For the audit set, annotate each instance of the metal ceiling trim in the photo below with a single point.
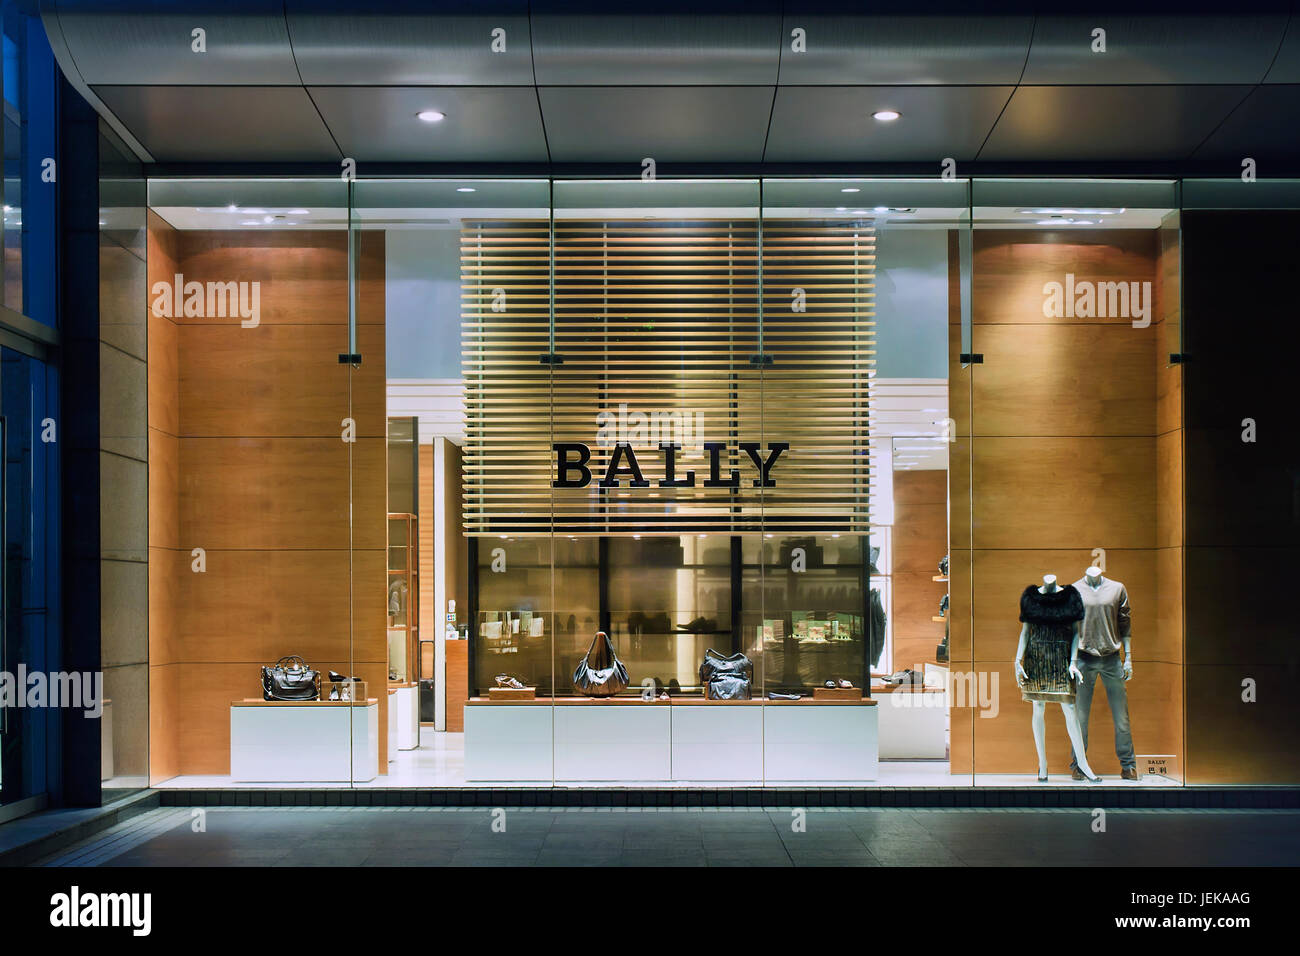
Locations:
(68, 64)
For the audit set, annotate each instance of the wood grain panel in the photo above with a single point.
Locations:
(261, 605)
(1169, 489)
(266, 493)
(166, 567)
(1169, 606)
(457, 670)
(164, 490)
(1046, 380)
(1005, 744)
(1012, 266)
(960, 641)
(164, 722)
(303, 274)
(1001, 576)
(920, 541)
(1047, 493)
(279, 381)
(163, 374)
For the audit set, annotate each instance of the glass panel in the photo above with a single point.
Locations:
(267, 486)
(1076, 480)
(859, 293)
(465, 321)
(28, 503)
(655, 319)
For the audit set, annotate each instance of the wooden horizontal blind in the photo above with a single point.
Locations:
(657, 328)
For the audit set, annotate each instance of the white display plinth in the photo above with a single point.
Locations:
(913, 724)
(717, 740)
(830, 743)
(627, 740)
(611, 741)
(304, 742)
(508, 741)
(404, 712)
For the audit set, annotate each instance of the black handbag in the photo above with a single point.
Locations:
(726, 678)
(296, 681)
(600, 673)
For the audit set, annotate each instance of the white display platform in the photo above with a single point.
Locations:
(630, 740)
(913, 724)
(307, 742)
(404, 713)
(717, 741)
(826, 743)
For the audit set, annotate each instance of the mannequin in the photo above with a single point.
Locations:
(1106, 651)
(1047, 620)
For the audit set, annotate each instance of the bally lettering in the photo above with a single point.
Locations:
(572, 459)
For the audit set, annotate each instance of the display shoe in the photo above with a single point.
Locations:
(831, 684)
(1129, 773)
(776, 695)
(845, 683)
(1077, 774)
(505, 680)
(1042, 779)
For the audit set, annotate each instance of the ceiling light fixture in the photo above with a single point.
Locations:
(882, 209)
(430, 116)
(850, 189)
(465, 189)
(886, 116)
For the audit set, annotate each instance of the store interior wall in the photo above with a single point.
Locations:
(1064, 458)
(250, 464)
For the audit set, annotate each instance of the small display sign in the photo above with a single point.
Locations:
(1158, 765)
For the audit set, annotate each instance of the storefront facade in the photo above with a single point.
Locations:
(712, 417)
(764, 399)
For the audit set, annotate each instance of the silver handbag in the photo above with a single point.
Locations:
(600, 673)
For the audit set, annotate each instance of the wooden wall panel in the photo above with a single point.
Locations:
(457, 685)
(1072, 450)
(268, 493)
(255, 471)
(920, 541)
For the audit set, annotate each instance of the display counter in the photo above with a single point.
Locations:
(913, 722)
(319, 741)
(627, 739)
(404, 713)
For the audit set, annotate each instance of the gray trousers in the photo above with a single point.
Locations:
(1111, 672)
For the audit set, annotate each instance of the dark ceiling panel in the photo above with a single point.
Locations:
(411, 42)
(1174, 49)
(669, 43)
(137, 41)
(834, 123)
(222, 123)
(483, 124)
(858, 50)
(1105, 123)
(669, 124)
(1286, 68)
(1263, 128)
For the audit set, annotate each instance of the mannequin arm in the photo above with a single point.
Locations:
(1021, 676)
(1128, 657)
(1074, 655)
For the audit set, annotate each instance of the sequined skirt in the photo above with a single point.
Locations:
(1047, 664)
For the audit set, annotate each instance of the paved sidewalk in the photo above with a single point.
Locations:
(409, 836)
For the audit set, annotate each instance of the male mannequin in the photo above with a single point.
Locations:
(1106, 651)
(1064, 695)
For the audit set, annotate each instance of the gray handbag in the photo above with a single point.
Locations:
(600, 673)
(726, 678)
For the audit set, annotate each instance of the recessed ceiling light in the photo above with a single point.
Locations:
(850, 189)
(882, 209)
(465, 189)
(299, 212)
(841, 208)
(231, 208)
(430, 116)
(886, 116)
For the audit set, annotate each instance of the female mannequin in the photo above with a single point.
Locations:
(1045, 670)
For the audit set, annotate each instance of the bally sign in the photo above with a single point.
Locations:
(572, 472)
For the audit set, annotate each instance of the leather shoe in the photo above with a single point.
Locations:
(1129, 773)
(1077, 774)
